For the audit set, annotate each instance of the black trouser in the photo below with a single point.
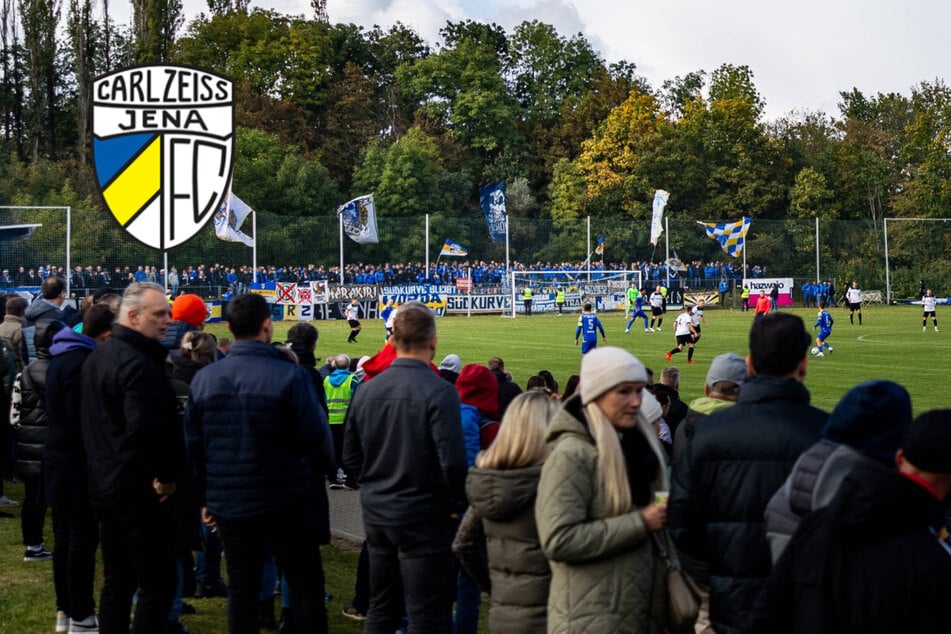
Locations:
(361, 587)
(34, 510)
(412, 563)
(289, 534)
(137, 552)
(76, 535)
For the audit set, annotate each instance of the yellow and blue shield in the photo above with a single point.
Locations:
(163, 148)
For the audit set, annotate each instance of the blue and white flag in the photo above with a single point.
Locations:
(657, 226)
(730, 235)
(451, 248)
(229, 218)
(492, 199)
(359, 219)
(599, 250)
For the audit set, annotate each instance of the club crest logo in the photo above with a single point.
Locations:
(163, 149)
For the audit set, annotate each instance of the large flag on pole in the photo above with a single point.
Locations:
(492, 199)
(451, 248)
(657, 225)
(730, 235)
(229, 218)
(359, 219)
(599, 250)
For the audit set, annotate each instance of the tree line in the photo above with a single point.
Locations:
(326, 112)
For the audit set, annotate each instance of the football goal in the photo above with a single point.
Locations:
(606, 290)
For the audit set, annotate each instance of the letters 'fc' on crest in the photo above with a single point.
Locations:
(163, 147)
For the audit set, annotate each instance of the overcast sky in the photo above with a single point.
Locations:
(801, 53)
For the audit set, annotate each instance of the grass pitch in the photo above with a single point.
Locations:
(889, 345)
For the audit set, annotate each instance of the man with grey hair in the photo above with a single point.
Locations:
(135, 449)
(339, 387)
(403, 440)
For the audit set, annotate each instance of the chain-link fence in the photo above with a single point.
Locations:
(801, 249)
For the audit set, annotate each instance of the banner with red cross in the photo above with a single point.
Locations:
(286, 293)
(305, 295)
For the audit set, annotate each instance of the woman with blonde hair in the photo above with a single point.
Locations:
(595, 509)
(198, 349)
(501, 489)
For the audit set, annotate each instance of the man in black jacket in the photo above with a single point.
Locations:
(734, 463)
(877, 559)
(403, 441)
(135, 449)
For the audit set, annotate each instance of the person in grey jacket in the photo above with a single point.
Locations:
(403, 443)
(867, 426)
(501, 490)
(606, 576)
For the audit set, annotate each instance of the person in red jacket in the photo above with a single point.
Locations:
(763, 305)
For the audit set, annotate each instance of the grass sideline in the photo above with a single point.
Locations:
(890, 345)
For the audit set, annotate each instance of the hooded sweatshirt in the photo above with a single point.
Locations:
(479, 401)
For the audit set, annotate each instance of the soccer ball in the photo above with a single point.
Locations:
(814, 350)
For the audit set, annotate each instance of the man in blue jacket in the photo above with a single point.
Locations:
(261, 447)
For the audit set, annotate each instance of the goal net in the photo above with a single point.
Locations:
(606, 290)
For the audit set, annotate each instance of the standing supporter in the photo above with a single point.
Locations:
(527, 300)
(876, 560)
(450, 367)
(11, 330)
(736, 460)
(593, 526)
(135, 457)
(404, 444)
(501, 489)
(763, 305)
(261, 454)
(588, 328)
(479, 400)
(188, 313)
(49, 304)
(339, 387)
(866, 427)
(8, 373)
(28, 417)
(745, 297)
(508, 389)
(773, 297)
(928, 302)
(670, 385)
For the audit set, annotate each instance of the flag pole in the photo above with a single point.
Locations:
(340, 221)
(254, 249)
(508, 264)
(589, 249)
(427, 248)
(667, 250)
(165, 265)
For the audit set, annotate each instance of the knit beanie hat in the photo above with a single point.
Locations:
(477, 386)
(872, 417)
(603, 368)
(927, 444)
(190, 309)
(451, 362)
(650, 407)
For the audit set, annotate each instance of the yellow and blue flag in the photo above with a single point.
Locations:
(451, 248)
(730, 235)
(599, 250)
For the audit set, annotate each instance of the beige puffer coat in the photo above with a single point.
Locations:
(606, 575)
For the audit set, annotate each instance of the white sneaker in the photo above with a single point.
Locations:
(819, 354)
(88, 625)
(924, 328)
(5, 501)
(648, 330)
(62, 621)
(936, 329)
(627, 330)
(830, 349)
(658, 328)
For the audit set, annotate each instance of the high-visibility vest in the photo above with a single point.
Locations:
(338, 400)
(527, 293)
(560, 297)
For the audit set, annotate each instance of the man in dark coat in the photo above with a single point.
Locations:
(135, 455)
(877, 559)
(403, 441)
(508, 389)
(734, 463)
(260, 445)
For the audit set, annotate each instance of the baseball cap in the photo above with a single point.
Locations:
(727, 367)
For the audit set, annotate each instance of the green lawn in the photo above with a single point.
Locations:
(890, 345)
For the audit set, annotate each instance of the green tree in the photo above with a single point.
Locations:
(155, 25)
(40, 19)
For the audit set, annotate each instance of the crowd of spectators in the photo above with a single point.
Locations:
(217, 278)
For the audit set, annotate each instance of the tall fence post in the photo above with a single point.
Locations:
(888, 282)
